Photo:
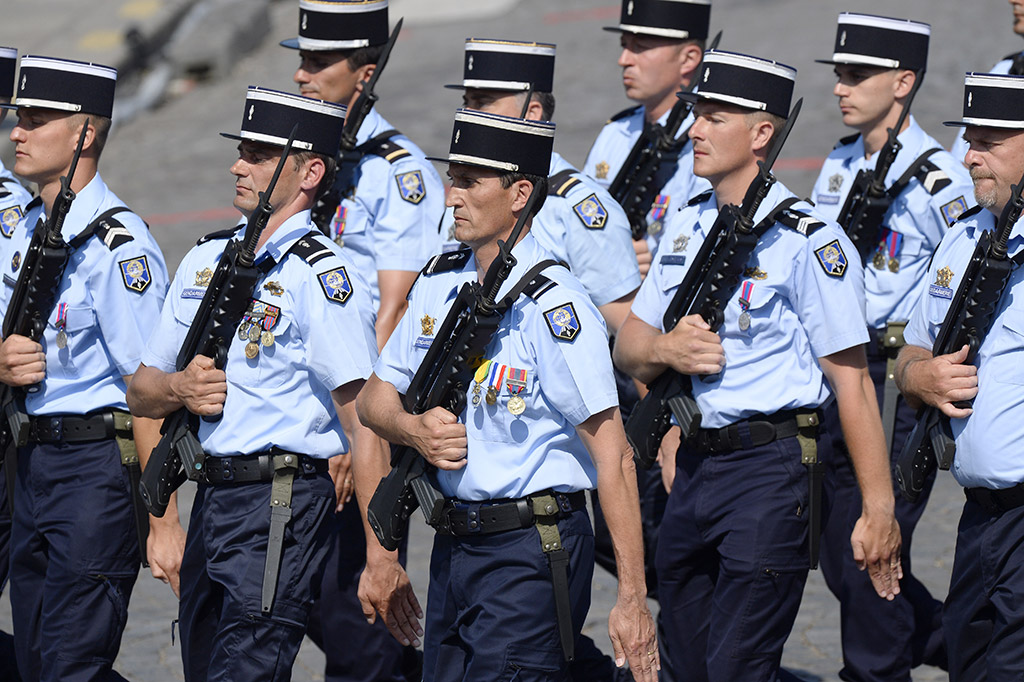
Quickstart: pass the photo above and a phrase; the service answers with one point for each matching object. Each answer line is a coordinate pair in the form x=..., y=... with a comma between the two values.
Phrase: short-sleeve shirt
x=613, y=145
x=320, y=322
x=988, y=452
x=550, y=351
x=803, y=294
x=108, y=302
x=390, y=220
x=912, y=228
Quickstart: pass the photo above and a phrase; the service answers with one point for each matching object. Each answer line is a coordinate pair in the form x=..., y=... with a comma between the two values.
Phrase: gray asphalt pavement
x=170, y=165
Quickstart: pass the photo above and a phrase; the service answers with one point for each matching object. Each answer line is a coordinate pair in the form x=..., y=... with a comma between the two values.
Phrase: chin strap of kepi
x=285, y=467
x=546, y=510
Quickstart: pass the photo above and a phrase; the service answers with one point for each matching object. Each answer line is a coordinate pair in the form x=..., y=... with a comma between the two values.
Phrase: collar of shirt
x=286, y=234
x=528, y=252
x=709, y=209
x=913, y=141
x=373, y=124
x=83, y=209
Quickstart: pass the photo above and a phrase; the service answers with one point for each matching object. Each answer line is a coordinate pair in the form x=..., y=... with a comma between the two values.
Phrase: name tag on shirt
x=828, y=199
x=940, y=292
x=423, y=342
x=193, y=293
x=673, y=259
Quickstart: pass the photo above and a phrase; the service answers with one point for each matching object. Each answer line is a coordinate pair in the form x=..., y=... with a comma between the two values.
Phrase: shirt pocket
x=272, y=364
x=1009, y=342
x=754, y=317
x=79, y=327
x=497, y=423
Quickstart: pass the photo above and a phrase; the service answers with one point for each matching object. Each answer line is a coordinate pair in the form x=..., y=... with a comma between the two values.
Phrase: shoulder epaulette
x=538, y=286
x=310, y=249
x=799, y=221
x=625, y=113
x=849, y=139
x=1012, y=55
x=972, y=211
x=220, y=234
x=4, y=192
x=383, y=146
x=932, y=177
x=699, y=199
x=447, y=262
x=562, y=182
x=111, y=232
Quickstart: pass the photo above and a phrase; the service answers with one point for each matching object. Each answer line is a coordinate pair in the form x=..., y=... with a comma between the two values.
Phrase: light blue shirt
x=111, y=300
x=959, y=147
x=282, y=397
x=391, y=221
x=566, y=381
x=918, y=217
x=586, y=229
x=610, y=150
x=988, y=443
x=14, y=199
x=798, y=312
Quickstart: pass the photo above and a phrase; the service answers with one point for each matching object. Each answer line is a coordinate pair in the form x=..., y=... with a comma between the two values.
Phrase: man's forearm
x=907, y=363
x=150, y=394
x=379, y=407
x=865, y=440
x=635, y=351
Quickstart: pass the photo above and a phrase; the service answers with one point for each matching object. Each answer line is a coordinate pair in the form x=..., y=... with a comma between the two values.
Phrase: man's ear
x=762, y=135
x=313, y=173
x=689, y=59
x=522, y=190
x=904, y=83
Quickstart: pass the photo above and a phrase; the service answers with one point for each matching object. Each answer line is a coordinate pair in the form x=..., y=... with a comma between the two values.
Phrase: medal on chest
x=256, y=327
x=744, y=319
x=516, y=382
x=61, y=324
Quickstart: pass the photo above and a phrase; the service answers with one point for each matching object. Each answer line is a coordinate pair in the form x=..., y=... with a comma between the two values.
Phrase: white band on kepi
x=738, y=101
x=274, y=140
x=70, y=67
x=46, y=104
x=845, y=58
x=343, y=7
x=654, y=31
x=542, y=49
x=903, y=25
x=513, y=86
x=537, y=128
x=995, y=80
x=322, y=45
x=8, y=53
x=480, y=161
x=991, y=123
x=306, y=103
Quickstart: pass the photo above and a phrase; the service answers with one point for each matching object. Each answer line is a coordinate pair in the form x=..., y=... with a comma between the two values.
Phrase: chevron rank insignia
x=411, y=186
x=935, y=179
x=591, y=212
x=562, y=322
x=832, y=258
x=336, y=284
x=953, y=209
x=9, y=219
x=135, y=273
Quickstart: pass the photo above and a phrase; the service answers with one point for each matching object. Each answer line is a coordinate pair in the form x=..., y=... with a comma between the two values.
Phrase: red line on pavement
x=806, y=163
x=595, y=13
x=210, y=214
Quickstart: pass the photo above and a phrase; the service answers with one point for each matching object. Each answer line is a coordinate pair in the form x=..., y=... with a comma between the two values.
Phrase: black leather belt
x=255, y=468
x=763, y=429
x=71, y=428
x=496, y=516
x=997, y=501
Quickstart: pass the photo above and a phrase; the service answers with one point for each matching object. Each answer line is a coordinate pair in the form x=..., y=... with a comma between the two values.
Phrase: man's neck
x=876, y=137
x=731, y=188
x=485, y=254
x=655, y=109
x=49, y=191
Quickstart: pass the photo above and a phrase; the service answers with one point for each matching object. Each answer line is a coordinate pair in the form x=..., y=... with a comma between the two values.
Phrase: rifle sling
x=912, y=170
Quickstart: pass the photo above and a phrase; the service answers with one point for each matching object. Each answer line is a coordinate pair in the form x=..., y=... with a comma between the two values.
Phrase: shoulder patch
x=447, y=262
x=560, y=184
x=562, y=322
x=954, y=209
x=113, y=233
x=411, y=186
x=699, y=199
x=800, y=222
x=849, y=139
x=135, y=273
x=625, y=113
x=220, y=234
x=591, y=213
x=309, y=249
x=9, y=219
x=336, y=284
x=832, y=259
x=933, y=178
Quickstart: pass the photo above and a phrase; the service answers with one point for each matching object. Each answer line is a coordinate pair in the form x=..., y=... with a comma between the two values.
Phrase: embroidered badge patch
x=16, y=261
x=835, y=183
x=601, y=170
x=336, y=284
x=562, y=322
x=832, y=258
x=941, y=288
x=9, y=219
x=953, y=209
x=411, y=186
x=591, y=212
x=135, y=273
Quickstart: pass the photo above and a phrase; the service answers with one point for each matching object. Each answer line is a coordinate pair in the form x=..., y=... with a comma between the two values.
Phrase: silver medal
x=62, y=340
x=744, y=321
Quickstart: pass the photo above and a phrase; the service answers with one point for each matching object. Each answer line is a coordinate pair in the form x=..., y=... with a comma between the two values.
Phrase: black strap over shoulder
x=562, y=182
x=700, y=198
x=533, y=283
x=849, y=139
x=220, y=234
x=310, y=249
x=927, y=173
x=799, y=221
x=625, y=113
x=110, y=231
x=382, y=145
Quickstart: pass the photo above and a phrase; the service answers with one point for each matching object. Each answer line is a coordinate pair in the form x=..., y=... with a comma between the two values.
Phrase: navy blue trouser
x=491, y=605
x=355, y=650
x=8, y=662
x=732, y=560
x=74, y=560
x=984, y=615
x=882, y=640
x=224, y=635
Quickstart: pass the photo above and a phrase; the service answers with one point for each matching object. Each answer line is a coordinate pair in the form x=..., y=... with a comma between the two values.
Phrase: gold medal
x=516, y=405
x=878, y=261
x=62, y=340
x=894, y=265
x=254, y=333
x=654, y=227
x=252, y=349
x=492, y=396
x=267, y=339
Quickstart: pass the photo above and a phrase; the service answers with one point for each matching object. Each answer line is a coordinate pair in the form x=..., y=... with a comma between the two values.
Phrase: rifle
x=441, y=380
x=706, y=289
x=637, y=182
x=34, y=296
x=348, y=156
x=868, y=201
x=967, y=322
x=179, y=454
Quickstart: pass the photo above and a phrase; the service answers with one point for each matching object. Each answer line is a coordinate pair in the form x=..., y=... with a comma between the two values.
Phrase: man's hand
x=440, y=438
x=942, y=380
x=22, y=361
x=644, y=257
x=340, y=469
x=876, y=547
x=384, y=588
x=633, y=634
x=692, y=348
x=201, y=387
x=165, y=547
